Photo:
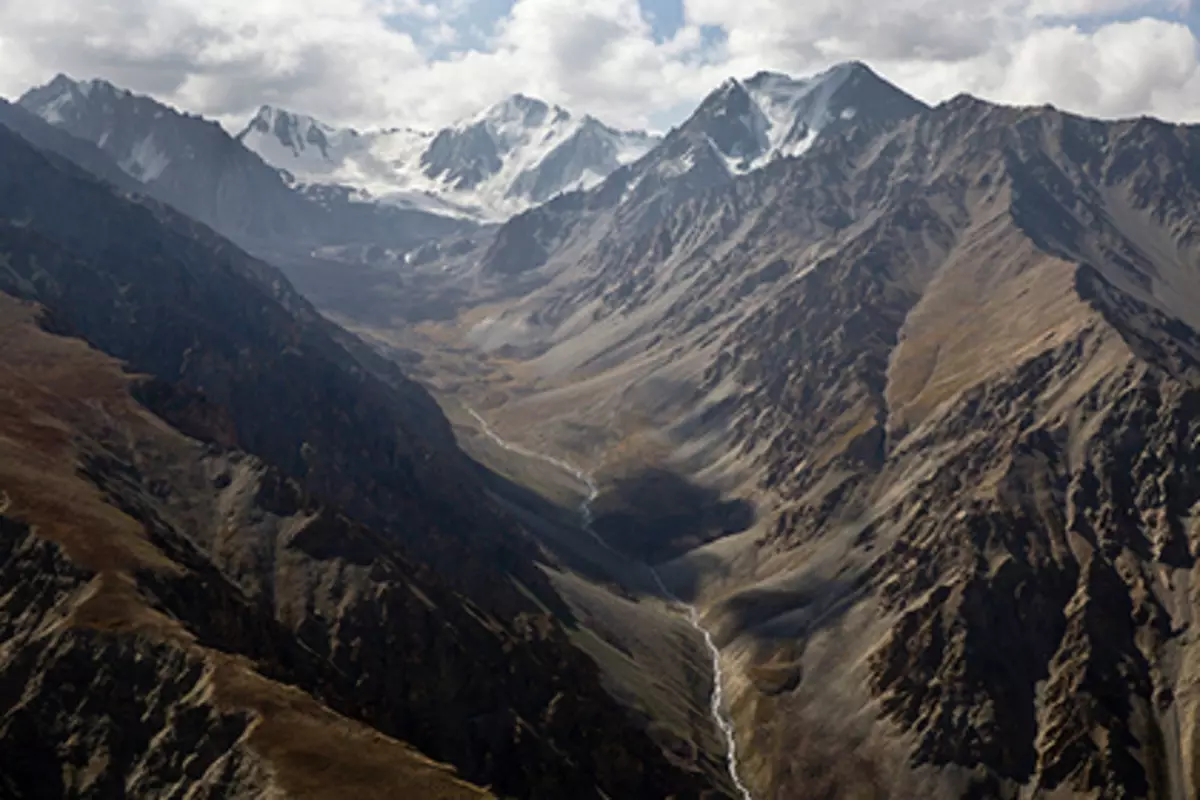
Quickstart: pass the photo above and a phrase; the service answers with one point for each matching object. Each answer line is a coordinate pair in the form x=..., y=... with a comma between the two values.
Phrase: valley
x=586, y=514
x=830, y=445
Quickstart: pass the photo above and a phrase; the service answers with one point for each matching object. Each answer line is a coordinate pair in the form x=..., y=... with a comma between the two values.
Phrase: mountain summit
x=770, y=115
x=299, y=134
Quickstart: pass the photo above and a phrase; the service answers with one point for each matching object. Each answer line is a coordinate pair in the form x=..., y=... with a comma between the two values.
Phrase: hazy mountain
x=516, y=154
x=80, y=152
x=195, y=166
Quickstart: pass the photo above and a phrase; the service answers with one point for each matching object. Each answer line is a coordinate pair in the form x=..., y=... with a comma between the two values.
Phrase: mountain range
x=514, y=155
x=859, y=430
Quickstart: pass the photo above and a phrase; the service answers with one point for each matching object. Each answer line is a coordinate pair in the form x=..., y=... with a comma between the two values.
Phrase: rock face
x=953, y=359
x=255, y=562
x=196, y=167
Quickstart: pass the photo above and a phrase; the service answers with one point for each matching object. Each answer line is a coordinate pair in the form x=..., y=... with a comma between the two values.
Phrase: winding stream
x=717, y=702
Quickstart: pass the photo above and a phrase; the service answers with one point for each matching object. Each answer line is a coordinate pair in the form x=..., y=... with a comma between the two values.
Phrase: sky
x=633, y=63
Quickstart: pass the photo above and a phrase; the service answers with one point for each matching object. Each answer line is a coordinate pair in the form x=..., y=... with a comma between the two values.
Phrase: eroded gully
x=717, y=700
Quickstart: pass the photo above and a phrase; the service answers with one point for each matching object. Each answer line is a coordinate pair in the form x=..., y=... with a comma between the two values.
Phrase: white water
x=717, y=702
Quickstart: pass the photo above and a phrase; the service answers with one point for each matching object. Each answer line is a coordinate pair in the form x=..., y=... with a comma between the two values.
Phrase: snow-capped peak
x=62, y=94
x=306, y=138
x=520, y=109
x=771, y=115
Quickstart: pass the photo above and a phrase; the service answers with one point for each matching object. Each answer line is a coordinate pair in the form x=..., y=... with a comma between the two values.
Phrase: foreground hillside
x=243, y=555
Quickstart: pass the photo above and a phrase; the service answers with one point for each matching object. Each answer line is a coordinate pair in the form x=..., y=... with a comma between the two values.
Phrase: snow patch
x=52, y=111
x=796, y=111
x=674, y=167
x=145, y=161
x=800, y=147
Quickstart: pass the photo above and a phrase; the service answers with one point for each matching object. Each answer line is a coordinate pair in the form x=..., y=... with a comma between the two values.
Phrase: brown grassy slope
x=57, y=395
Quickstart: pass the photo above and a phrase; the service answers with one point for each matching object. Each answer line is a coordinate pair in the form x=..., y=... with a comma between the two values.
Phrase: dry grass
x=845, y=431
x=112, y=603
x=57, y=394
x=53, y=390
x=996, y=304
x=319, y=754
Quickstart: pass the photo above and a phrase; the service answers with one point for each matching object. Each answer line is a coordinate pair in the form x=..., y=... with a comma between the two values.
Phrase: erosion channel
x=717, y=703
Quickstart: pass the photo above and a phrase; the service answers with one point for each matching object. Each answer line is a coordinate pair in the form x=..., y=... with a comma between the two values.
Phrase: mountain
x=80, y=152
x=769, y=116
x=193, y=165
x=242, y=553
x=516, y=154
x=741, y=126
x=950, y=359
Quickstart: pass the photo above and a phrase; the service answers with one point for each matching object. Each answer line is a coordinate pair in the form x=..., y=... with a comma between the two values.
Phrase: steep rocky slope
x=952, y=363
x=255, y=561
x=119, y=668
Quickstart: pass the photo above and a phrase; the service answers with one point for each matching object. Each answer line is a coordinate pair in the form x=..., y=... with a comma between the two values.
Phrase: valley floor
x=630, y=567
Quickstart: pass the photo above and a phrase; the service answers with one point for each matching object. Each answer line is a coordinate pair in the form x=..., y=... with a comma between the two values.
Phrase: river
x=717, y=702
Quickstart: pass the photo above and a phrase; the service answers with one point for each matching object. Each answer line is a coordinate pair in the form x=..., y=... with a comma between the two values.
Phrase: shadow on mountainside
x=655, y=515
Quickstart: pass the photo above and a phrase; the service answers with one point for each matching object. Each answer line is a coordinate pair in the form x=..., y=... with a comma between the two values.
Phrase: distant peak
x=767, y=76
x=523, y=109
x=522, y=104
x=272, y=115
x=65, y=83
x=272, y=112
x=520, y=100
x=729, y=89
x=961, y=101
x=838, y=72
x=852, y=66
x=62, y=81
x=730, y=85
x=281, y=119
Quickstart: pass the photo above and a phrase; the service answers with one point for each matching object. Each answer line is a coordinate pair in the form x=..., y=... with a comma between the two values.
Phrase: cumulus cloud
x=1119, y=69
x=379, y=62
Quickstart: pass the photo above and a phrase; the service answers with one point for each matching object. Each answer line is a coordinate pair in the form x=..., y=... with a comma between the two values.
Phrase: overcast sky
x=641, y=63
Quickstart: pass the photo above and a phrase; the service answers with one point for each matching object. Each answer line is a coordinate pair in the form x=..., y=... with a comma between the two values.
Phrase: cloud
x=1119, y=69
x=379, y=62
x=1066, y=9
x=820, y=30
